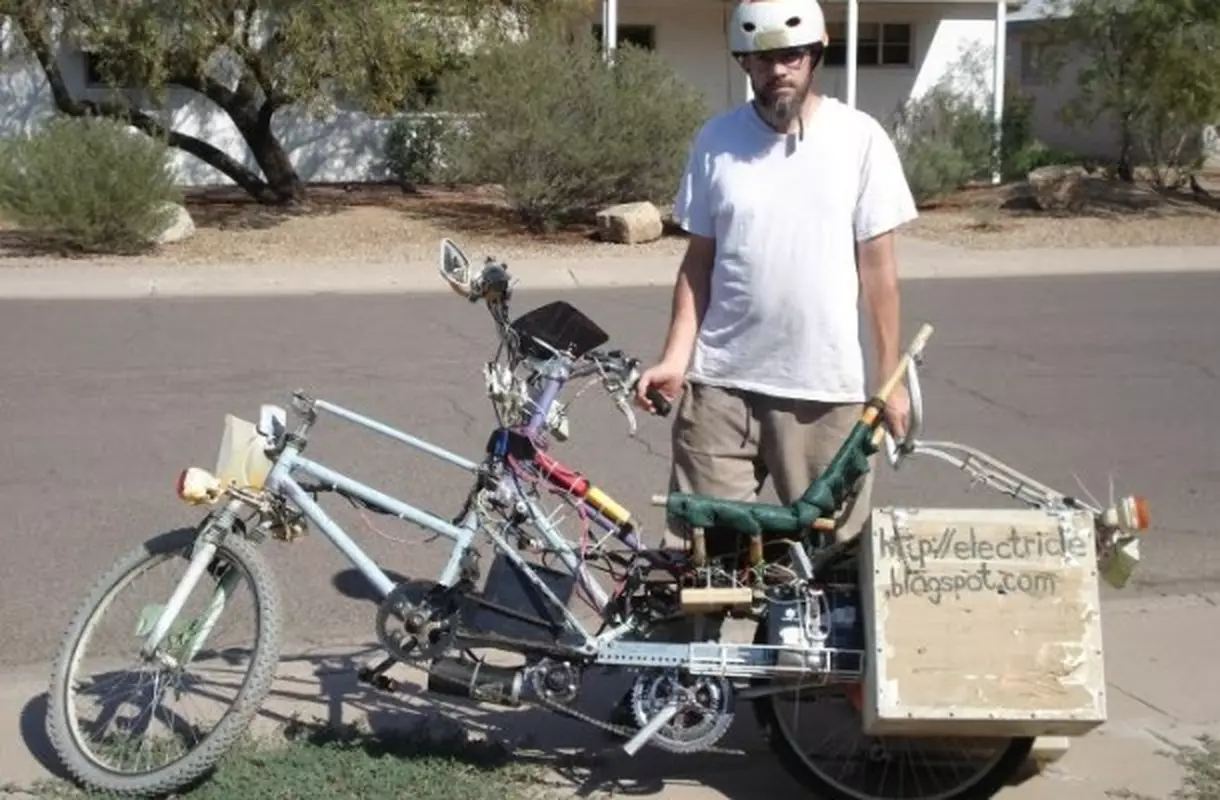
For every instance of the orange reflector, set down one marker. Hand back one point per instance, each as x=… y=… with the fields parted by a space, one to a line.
x=1138 y=512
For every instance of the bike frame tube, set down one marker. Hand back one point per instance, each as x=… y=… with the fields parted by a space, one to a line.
x=551 y=387
x=393 y=433
x=291 y=466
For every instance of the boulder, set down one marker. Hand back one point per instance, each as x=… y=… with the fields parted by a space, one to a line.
x=180 y=227
x=630 y=223
x=1057 y=188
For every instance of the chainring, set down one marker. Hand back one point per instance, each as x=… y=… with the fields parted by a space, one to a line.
x=706 y=714
x=424 y=622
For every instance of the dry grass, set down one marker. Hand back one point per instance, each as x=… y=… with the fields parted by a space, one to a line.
x=380 y=223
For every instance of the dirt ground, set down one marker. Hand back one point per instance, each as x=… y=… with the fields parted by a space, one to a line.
x=1006 y=217
x=382 y=223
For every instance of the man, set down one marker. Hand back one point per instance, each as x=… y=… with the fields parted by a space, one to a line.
x=791 y=202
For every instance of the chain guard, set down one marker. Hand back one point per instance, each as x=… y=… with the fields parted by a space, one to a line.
x=424 y=622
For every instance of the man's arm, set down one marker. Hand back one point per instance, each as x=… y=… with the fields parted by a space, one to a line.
x=878 y=268
x=690 y=298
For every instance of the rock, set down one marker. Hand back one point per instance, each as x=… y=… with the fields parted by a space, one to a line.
x=1057 y=188
x=630 y=223
x=181 y=225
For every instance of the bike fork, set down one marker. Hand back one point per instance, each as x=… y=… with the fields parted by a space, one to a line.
x=202 y=553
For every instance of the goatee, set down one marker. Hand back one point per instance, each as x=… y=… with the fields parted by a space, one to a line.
x=785 y=109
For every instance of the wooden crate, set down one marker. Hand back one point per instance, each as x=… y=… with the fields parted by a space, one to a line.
x=982 y=622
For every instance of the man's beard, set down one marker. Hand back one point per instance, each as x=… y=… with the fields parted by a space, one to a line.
x=785 y=108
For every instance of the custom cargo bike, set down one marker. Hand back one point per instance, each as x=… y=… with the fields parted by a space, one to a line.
x=917 y=661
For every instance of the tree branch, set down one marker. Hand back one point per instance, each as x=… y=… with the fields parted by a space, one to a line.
x=124 y=112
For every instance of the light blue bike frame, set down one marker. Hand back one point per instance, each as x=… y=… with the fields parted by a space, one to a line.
x=283 y=480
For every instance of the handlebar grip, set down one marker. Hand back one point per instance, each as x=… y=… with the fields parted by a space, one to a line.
x=659 y=401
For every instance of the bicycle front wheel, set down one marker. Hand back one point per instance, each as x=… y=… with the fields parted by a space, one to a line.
x=158 y=751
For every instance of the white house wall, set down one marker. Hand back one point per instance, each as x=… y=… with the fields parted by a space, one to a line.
x=693 y=37
x=1051 y=92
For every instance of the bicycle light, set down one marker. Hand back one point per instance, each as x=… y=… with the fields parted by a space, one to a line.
x=197 y=486
x=1129 y=514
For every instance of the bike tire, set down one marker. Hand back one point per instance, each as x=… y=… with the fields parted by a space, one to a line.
x=258 y=683
x=982 y=787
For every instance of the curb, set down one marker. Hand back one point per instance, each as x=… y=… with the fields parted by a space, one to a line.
x=917 y=261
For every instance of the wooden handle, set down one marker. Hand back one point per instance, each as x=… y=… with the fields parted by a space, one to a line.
x=913 y=350
x=920 y=341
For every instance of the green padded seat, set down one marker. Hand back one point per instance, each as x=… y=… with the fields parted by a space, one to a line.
x=821 y=500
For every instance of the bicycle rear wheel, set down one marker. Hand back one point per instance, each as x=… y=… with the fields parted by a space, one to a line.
x=880 y=768
x=95 y=765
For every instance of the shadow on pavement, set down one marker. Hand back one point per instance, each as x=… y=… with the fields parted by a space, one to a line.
x=318 y=689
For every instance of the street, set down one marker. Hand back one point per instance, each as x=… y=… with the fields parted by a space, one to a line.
x=102 y=403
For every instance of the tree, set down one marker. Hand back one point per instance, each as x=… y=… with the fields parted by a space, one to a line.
x=254 y=58
x=1153 y=64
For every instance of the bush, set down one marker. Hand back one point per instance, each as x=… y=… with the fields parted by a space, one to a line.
x=413 y=150
x=946 y=137
x=565 y=134
x=944 y=140
x=90 y=184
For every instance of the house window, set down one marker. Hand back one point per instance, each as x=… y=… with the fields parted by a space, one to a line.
x=890 y=44
x=644 y=36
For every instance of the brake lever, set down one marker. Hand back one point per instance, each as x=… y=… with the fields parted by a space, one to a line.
x=632 y=424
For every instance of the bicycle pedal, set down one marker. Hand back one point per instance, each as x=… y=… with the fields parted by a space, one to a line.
x=374 y=675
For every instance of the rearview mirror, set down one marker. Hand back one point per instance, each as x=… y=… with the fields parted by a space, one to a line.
x=455 y=267
x=272 y=422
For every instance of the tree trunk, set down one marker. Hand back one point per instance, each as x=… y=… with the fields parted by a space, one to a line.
x=283 y=181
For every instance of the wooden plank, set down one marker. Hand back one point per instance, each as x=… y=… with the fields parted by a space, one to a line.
x=982 y=622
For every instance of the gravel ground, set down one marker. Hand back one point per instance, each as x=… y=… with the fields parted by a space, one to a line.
x=991 y=218
x=382 y=223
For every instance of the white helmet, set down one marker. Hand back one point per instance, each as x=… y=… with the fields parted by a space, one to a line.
x=760 y=25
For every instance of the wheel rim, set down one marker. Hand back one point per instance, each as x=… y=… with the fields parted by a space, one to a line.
x=161 y=680
x=879 y=768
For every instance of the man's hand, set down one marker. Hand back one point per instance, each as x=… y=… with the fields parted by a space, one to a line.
x=666 y=377
x=898 y=412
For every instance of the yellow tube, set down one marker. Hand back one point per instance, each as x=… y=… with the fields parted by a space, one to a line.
x=606 y=504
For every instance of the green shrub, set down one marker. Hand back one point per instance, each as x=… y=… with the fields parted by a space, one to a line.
x=413 y=150
x=88 y=184
x=944 y=140
x=564 y=133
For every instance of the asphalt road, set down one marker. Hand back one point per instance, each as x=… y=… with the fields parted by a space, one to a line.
x=102 y=403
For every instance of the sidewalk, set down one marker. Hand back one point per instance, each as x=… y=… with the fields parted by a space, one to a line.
x=919 y=260
x=1158 y=659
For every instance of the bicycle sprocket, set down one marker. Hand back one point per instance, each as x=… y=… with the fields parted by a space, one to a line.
x=416 y=623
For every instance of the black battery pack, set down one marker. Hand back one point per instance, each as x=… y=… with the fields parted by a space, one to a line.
x=511 y=606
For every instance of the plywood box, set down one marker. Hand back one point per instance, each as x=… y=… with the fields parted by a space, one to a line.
x=982 y=622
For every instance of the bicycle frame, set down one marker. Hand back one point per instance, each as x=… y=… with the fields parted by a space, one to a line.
x=290 y=466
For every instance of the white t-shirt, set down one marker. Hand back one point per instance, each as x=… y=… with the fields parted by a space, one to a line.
x=783 y=316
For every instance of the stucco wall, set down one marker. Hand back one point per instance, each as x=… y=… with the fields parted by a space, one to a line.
x=1053 y=90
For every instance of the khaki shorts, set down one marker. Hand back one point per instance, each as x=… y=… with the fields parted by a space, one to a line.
x=727 y=442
